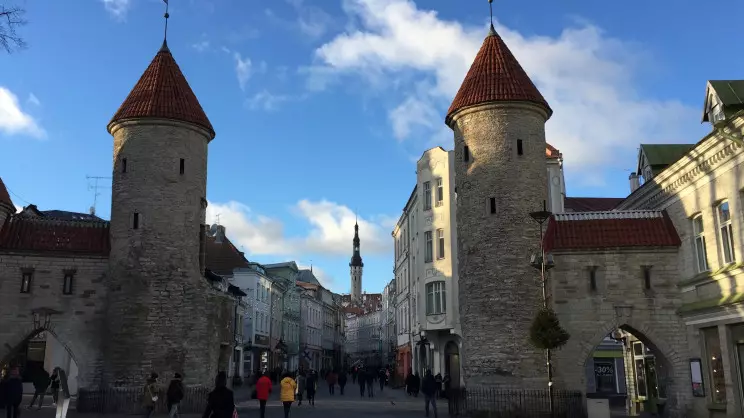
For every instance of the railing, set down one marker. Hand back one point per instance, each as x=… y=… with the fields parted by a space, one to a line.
x=129 y=400
x=500 y=403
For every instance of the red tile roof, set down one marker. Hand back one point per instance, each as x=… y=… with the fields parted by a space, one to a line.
x=495 y=76
x=4 y=196
x=223 y=258
x=552 y=152
x=163 y=92
x=53 y=235
x=599 y=230
x=591 y=204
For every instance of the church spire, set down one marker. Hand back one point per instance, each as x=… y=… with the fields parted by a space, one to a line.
x=356 y=258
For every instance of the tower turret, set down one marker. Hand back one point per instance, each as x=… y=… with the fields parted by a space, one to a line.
x=498 y=117
x=356 y=267
x=158 y=205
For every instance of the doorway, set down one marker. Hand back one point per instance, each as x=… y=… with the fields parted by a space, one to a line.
x=452 y=363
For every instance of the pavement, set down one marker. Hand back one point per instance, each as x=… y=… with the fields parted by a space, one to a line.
x=390 y=403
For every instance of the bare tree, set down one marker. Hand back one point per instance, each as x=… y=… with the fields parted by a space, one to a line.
x=11 y=17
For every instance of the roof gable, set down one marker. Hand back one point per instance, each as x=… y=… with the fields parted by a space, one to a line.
x=4 y=196
x=729 y=93
x=495 y=76
x=53 y=235
x=222 y=257
x=660 y=156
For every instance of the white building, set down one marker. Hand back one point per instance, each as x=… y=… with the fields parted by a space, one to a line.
x=364 y=339
x=404 y=238
x=311 y=333
x=256 y=284
x=389 y=332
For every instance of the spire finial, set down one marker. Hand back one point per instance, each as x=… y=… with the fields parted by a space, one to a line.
x=490 y=6
x=165 y=35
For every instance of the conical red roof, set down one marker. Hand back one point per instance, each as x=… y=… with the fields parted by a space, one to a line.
x=163 y=92
x=495 y=76
x=4 y=196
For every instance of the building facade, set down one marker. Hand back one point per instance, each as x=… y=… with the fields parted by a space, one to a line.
x=389 y=331
x=356 y=266
x=311 y=333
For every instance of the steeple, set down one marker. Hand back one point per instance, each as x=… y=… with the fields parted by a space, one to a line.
x=495 y=76
x=162 y=92
x=356 y=258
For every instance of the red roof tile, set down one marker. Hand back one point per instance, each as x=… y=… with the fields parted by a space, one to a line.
x=495 y=76
x=4 y=196
x=591 y=204
x=223 y=258
x=598 y=230
x=163 y=92
x=552 y=152
x=43 y=235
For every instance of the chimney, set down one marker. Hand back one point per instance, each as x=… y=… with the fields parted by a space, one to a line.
x=92 y=210
x=635 y=183
x=202 y=247
x=219 y=234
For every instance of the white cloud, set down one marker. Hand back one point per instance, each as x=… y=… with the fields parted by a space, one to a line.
x=33 y=100
x=242 y=70
x=201 y=46
x=13 y=120
x=117 y=8
x=269 y=101
x=331 y=230
x=600 y=114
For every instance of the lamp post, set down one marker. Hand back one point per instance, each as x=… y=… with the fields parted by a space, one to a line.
x=540 y=262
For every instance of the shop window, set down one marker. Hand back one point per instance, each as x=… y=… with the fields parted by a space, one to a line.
x=716 y=374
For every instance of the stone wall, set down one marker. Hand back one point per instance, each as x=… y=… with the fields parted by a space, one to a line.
x=499 y=290
x=80 y=320
x=620 y=301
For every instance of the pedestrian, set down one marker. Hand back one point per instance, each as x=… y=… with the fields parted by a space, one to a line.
x=12 y=393
x=331 y=379
x=362 y=381
x=409 y=382
x=369 y=376
x=382 y=376
x=311 y=386
x=429 y=389
x=287 y=394
x=41 y=382
x=150 y=395
x=342 y=381
x=263 y=389
x=174 y=396
x=416 y=384
x=447 y=381
x=438 y=379
x=301 y=384
x=55 y=386
x=221 y=401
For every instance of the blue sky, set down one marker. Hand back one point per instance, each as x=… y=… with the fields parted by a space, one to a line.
x=321 y=107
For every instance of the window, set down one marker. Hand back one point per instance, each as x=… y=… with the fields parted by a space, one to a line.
x=520 y=147
x=67 y=283
x=440 y=192
x=26 y=278
x=182 y=168
x=646 y=277
x=429 y=250
x=123 y=165
x=135 y=221
x=715 y=364
x=701 y=255
x=440 y=243
x=435 y=298
x=492 y=205
x=465 y=153
x=427 y=195
x=593 y=278
x=727 y=233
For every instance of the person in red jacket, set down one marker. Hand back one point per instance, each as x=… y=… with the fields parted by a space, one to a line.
x=263 y=389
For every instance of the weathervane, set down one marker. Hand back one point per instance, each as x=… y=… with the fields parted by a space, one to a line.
x=165 y=36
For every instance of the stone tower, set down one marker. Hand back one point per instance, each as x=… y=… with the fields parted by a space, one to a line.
x=498 y=117
x=158 y=307
x=356 y=266
x=6 y=204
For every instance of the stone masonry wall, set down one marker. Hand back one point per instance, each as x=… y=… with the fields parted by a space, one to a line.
x=620 y=301
x=81 y=317
x=160 y=312
x=499 y=290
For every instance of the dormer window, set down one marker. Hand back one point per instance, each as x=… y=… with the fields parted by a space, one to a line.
x=716 y=114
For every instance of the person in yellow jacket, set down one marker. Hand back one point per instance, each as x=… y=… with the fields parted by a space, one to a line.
x=288 y=390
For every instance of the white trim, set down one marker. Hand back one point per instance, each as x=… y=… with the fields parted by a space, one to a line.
x=715 y=318
x=624 y=214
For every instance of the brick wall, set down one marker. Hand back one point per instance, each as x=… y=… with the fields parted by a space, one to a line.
x=81 y=317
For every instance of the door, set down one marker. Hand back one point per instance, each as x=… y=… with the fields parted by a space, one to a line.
x=740 y=357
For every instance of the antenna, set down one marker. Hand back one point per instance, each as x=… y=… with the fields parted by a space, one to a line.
x=218 y=218
x=95 y=187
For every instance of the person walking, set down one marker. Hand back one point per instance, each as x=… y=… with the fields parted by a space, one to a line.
x=221 y=401
x=429 y=389
x=362 y=381
x=311 y=385
x=331 y=379
x=150 y=395
x=41 y=384
x=12 y=393
x=382 y=376
x=287 y=393
x=263 y=390
x=301 y=384
x=342 y=381
x=369 y=376
x=54 y=385
x=174 y=395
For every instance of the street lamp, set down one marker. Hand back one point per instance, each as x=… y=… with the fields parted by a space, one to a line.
x=543 y=263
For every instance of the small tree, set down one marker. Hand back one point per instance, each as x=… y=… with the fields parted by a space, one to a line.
x=546 y=332
x=11 y=17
